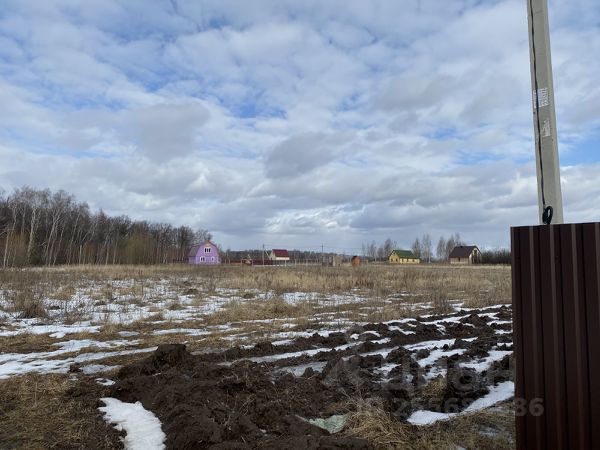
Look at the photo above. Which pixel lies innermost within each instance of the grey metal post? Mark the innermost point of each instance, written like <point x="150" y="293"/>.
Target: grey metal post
<point x="544" y="115"/>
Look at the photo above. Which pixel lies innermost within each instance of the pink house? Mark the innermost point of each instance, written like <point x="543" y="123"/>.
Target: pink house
<point x="205" y="253"/>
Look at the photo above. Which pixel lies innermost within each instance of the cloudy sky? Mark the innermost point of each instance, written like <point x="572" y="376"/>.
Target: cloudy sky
<point x="297" y="123"/>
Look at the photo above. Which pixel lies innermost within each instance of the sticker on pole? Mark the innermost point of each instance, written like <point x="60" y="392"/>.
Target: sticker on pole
<point x="540" y="96"/>
<point x="545" y="131"/>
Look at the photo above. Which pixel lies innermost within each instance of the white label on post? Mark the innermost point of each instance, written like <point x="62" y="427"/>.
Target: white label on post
<point x="546" y="128"/>
<point x="541" y="96"/>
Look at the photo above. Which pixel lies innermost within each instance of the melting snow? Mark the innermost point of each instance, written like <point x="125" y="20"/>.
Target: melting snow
<point x="311" y="352"/>
<point x="190" y="331"/>
<point x="305" y="334"/>
<point x="437" y="354"/>
<point x="20" y="363"/>
<point x="128" y="333"/>
<point x="395" y="328"/>
<point x="55" y="331"/>
<point x="501" y="392"/>
<point x="430" y="345"/>
<point x="97" y="368"/>
<point x="142" y="427"/>
<point x="485" y="363"/>
<point x="299" y="369"/>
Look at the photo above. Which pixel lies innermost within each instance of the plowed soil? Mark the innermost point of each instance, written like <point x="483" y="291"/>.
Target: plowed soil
<point x="263" y="396"/>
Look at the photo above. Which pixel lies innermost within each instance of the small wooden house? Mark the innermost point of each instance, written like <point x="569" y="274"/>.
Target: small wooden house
<point x="279" y="256"/>
<point x="206" y="253"/>
<point x="465" y="254"/>
<point x="403" y="257"/>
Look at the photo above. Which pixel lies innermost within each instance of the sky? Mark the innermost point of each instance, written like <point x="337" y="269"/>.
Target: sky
<point x="297" y="124"/>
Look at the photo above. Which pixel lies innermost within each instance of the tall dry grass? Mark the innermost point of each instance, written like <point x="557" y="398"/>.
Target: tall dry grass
<point x="49" y="411"/>
<point x="485" y="430"/>
<point x="24" y="290"/>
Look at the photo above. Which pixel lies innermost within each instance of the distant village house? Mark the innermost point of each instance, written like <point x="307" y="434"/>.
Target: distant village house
<point x="403" y="257"/>
<point x="279" y="256"/>
<point x="465" y="254"/>
<point x="206" y="253"/>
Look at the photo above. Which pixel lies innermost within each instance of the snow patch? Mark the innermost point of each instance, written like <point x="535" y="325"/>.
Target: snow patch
<point x="499" y="393"/>
<point x="485" y="363"/>
<point x="105" y="381"/>
<point x="21" y="363"/>
<point x="395" y="328"/>
<point x="437" y="354"/>
<point x="142" y="427"/>
<point x="189" y="331"/>
<point x="430" y="345"/>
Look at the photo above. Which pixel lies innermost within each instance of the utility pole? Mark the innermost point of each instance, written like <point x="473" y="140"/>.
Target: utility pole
<point x="544" y="115"/>
<point x="263" y="255"/>
<point x="322" y="256"/>
<point x="555" y="294"/>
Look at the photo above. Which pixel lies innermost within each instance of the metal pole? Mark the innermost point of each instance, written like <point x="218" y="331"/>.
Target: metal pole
<point x="544" y="115"/>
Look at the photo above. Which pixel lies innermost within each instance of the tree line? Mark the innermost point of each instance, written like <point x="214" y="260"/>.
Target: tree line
<point x="423" y="248"/>
<point x="41" y="227"/>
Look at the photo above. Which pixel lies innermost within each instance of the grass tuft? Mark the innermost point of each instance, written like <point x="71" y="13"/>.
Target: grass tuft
<point x="48" y="411"/>
<point x="492" y="429"/>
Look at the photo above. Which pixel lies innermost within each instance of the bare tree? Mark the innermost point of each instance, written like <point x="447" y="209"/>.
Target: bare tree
<point x="426" y="247"/>
<point x="202" y="235"/>
<point x="58" y="205"/>
<point x="388" y="246"/>
<point x="35" y="202"/>
<point x="416" y="248"/>
<point x="440" y="250"/>
<point x="450" y="244"/>
<point x="372" y="250"/>
<point x="381" y="253"/>
<point x="453" y="241"/>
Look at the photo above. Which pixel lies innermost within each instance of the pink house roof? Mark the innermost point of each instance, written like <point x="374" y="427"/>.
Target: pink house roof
<point x="196" y="248"/>
<point x="280" y="253"/>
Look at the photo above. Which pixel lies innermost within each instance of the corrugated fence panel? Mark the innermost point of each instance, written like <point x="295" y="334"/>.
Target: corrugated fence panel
<point x="556" y="323"/>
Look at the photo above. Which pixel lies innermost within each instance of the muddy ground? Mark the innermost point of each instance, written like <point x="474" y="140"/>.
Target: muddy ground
<point x="264" y="395"/>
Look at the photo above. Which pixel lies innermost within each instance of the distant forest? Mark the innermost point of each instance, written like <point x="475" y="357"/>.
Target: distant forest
<point x="40" y="227"/>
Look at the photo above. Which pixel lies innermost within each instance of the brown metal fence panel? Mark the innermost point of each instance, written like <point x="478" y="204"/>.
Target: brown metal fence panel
<point x="556" y="323"/>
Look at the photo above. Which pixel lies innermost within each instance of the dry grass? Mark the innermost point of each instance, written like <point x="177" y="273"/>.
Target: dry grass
<point x="273" y="308"/>
<point x="24" y="290"/>
<point x="26" y="343"/>
<point x="378" y="280"/>
<point x="48" y="411"/>
<point x="433" y="392"/>
<point x="492" y="429"/>
<point x="42" y="411"/>
<point x="29" y="302"/>
<point x="64" y="292"/>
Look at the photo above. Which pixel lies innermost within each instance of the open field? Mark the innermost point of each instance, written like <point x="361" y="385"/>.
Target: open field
<point x="374" y="347"/>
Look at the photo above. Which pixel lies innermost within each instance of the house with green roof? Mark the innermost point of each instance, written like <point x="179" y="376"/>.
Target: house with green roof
<point x="403" y="257"/>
